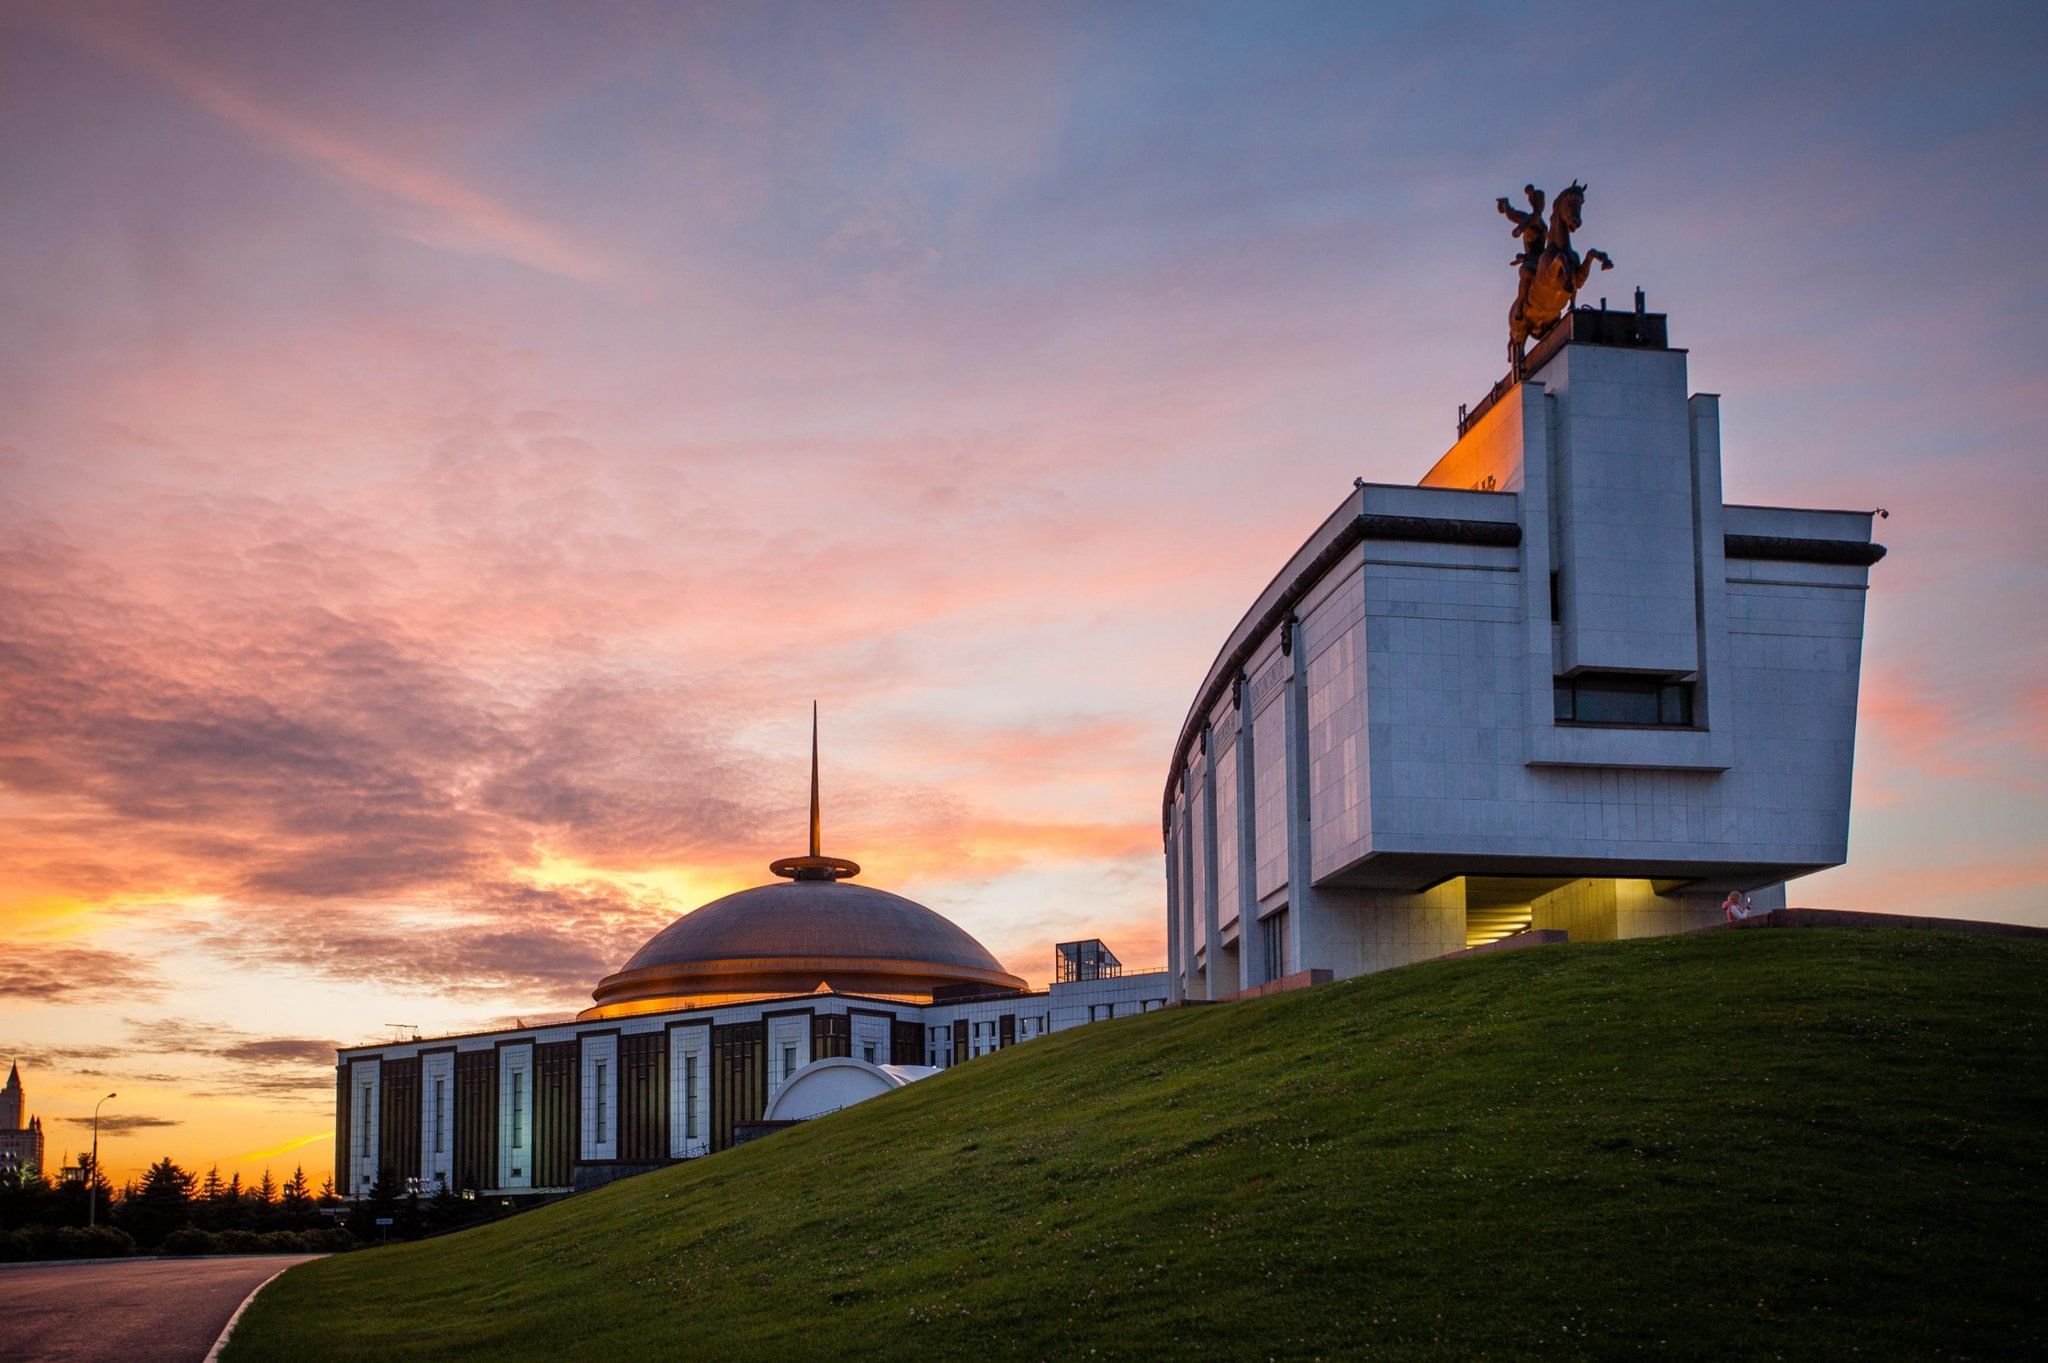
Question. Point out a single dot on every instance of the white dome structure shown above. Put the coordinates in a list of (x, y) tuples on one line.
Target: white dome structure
[(840, 1081)]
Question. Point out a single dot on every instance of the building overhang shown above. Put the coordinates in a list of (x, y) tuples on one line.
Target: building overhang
[(1414, 872)]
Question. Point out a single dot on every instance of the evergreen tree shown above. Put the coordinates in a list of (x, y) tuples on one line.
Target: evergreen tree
[(234, 1206), (446, 1209), (263, 1203), (161, 1205), (328, 1197), (379, 1203), (212, 1194), (295, 1203)]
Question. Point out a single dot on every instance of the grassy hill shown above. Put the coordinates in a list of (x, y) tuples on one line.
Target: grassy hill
[(1769, 1143)]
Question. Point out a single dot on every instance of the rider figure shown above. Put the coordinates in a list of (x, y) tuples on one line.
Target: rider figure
[(1530, 230)]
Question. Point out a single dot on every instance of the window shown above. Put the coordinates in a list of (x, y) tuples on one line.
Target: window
[(366, 1122), (1619, 698), (600, 1102), (788, 1062), (1554, 613), (689, 1097), (440, 1115), (867, 1053), (519, 1109), (1273, 935)]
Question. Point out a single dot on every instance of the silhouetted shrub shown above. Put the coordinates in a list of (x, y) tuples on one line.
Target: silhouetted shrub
[(240, 1242), (13, 1247), (190, 1241), (78, 1242), (328, 1240)]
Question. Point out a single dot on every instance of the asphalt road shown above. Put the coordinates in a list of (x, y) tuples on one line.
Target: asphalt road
[(134, 1310)]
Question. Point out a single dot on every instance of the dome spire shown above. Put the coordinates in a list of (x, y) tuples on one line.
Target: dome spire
[(814, 779), (816, 866)]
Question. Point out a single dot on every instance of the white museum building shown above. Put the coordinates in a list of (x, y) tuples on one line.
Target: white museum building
[(1558, 685)]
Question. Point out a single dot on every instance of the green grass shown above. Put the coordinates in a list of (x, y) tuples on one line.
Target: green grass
[(1791, 1144)]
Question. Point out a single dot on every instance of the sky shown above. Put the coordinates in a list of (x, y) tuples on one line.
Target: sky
[(445, 449)]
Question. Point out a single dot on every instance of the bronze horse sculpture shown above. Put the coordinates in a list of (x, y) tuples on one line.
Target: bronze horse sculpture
[(1552, 271)]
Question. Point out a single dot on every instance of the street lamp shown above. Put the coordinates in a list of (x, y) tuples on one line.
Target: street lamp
[(92, 1183)]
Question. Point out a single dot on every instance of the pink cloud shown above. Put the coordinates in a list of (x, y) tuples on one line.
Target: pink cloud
[(439, 210)]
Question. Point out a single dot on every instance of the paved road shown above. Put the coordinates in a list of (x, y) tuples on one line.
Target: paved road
[(131, 1310)]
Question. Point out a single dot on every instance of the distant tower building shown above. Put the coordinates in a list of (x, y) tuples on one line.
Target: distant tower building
[(21, 1142)]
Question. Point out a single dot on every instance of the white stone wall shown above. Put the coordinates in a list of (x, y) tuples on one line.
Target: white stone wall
[(515, 1116), (1198, 868), (1624, 509), (872, 1034), (1269, 817), (366, 1099), (437, 1120), (1229, 887), (1077, 1003), (598, 1096), (789, 1049), (1332, 641), (689, 1092), (1446, 707)]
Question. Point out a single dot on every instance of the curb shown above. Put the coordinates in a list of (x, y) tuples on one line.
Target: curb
[(213, 1354)]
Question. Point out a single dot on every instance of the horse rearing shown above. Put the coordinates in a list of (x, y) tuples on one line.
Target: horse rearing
[(1554, 284)]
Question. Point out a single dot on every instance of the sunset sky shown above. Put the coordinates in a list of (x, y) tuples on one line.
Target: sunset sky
[(444, 449)]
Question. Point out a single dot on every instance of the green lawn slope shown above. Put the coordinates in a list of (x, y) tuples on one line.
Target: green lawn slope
[(1777, 1143)]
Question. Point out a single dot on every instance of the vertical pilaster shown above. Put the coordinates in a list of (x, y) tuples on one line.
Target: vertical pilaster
[(1205, 847), (1306, 925), (1251, 942), (1174, 893)]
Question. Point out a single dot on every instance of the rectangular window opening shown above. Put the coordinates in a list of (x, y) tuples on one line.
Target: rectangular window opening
[(518, 1109), (1624, 700), (600, 1103), (440, 1116), (689, 1097)]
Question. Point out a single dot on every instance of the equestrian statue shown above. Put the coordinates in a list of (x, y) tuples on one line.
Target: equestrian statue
[(1551, 271)]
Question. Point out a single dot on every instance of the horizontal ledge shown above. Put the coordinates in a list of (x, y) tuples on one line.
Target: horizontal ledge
[(1431, 530), (1786, 549)]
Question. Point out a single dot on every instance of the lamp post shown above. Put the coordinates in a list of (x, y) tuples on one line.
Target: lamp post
[(92, 1182)]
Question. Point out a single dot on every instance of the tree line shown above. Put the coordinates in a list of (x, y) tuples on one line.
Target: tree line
[(171, 1210)]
